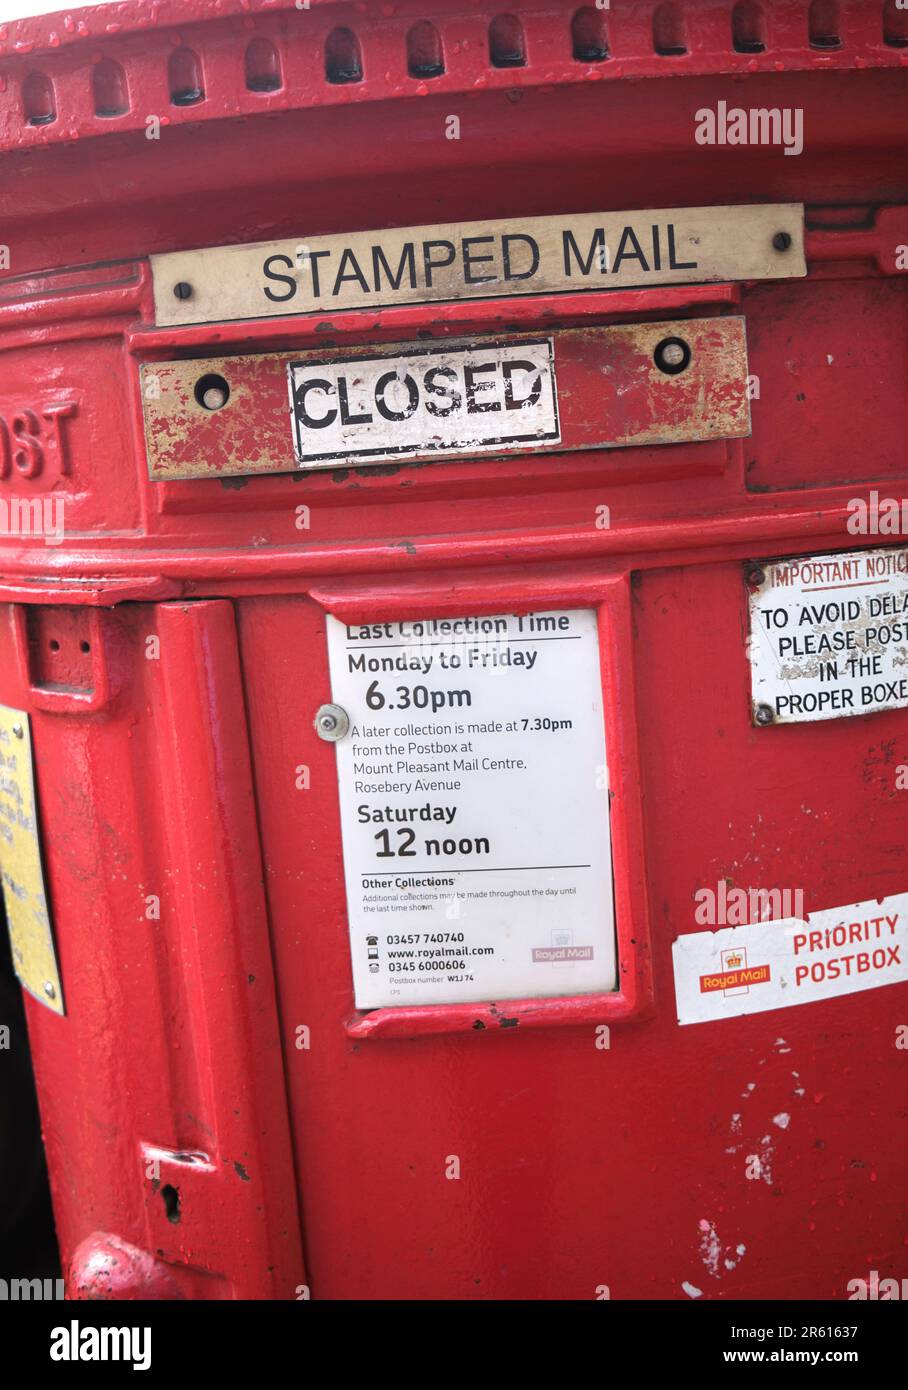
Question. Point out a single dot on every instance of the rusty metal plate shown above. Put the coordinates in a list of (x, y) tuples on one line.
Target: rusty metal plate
[(477, 260), (24, 890), (634, 384)]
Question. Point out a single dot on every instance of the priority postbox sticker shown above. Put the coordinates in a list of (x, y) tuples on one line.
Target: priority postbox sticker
[(423, 402), (775, 964), (474, 807)]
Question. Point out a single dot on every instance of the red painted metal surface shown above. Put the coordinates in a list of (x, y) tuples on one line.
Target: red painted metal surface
[(196, 1150)]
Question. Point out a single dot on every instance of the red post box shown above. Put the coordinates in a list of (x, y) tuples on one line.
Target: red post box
[(454, 592)]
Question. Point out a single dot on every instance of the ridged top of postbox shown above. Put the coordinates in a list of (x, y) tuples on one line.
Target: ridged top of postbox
[(112, 67)]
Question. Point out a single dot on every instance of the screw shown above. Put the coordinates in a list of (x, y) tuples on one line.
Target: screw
[(781, 241), (331, 723), (18, 731), (49, 990), (672, 355), (212, 391), (763, 714), (182, 290), (756, 577)]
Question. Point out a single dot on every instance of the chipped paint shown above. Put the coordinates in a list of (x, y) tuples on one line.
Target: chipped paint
[(714, 1256), (766, 1156), (710, 1248)]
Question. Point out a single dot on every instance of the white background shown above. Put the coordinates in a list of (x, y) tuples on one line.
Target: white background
[(22, 9)]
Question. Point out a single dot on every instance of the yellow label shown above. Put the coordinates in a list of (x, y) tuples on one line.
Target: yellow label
[(24, 892)]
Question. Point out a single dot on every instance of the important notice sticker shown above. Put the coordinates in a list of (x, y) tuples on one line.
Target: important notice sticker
[(773, 965), (474, 808), (829, 635)]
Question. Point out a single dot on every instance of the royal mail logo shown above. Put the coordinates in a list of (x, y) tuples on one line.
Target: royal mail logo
[(556, 953), (735, 976), (735, 979)]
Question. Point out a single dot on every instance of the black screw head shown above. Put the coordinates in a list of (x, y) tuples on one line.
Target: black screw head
[(781, 241), (764, 714), (756, 577), (182, 290)]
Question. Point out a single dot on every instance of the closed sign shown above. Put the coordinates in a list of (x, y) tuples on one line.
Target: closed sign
[(381, 406)]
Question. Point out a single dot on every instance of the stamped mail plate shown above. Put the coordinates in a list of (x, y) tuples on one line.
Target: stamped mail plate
[(480, 260)]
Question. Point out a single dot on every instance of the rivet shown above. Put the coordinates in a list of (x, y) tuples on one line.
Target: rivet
[(763, 714), (331, 723), (756, 577), (212, 391), (672, 355), (49, 990), (18, 731), (182, 290), (781, 241)]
